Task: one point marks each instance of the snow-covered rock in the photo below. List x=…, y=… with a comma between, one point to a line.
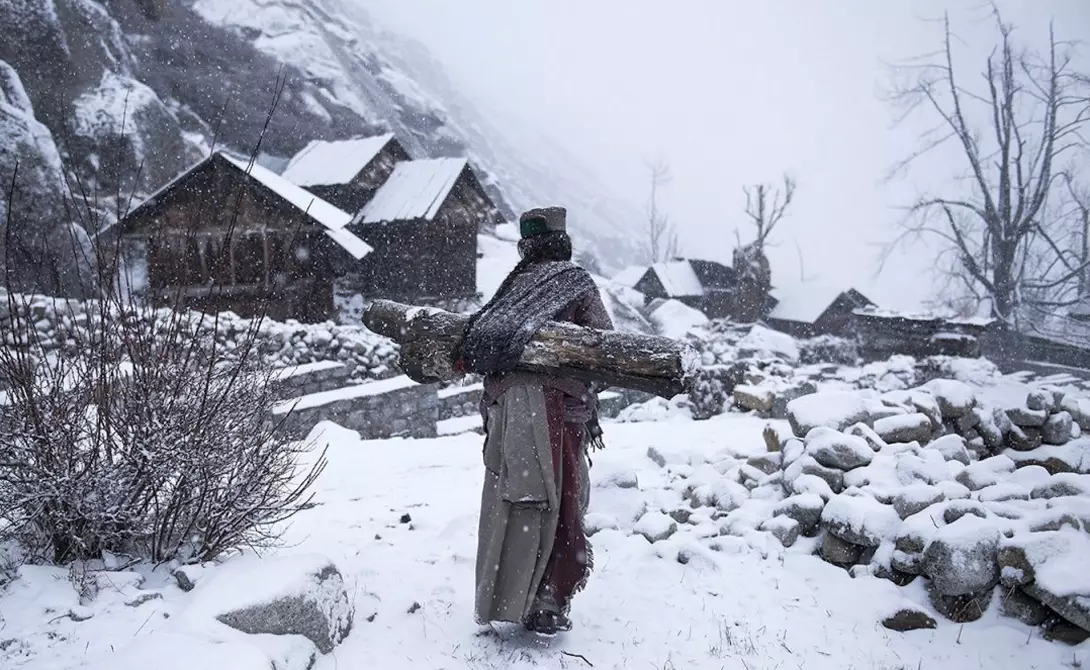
x=834, y=449
x=1057, y=428
x=673, y=318
x=834, y=409
x=1050, y=566
x=804, y=508
x=861, y=520
x=955, y=398
x=290, y=595
x=952, y=447
x=904, y=428
x=961, y=557
x=763, y=341
x=656, y=526
x=915, y=498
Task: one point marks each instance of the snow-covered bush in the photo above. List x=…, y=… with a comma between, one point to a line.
x=141, y=438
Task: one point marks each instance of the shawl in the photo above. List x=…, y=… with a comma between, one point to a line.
x=498, y=334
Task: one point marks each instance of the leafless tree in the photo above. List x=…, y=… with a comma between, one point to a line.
x=1079, y=251
x=766, y=206
x=998, y=244
x=662, y=242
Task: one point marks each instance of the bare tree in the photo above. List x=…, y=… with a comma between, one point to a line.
x=1079, y=250
x=995, y=234
x=766, y=206
x=662, y=242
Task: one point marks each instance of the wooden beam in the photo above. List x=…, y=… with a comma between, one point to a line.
x=428, y=336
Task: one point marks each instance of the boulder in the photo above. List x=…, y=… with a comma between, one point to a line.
x=288, y=595
x=804, y=508
x=812, y=485
x=909, y=618
x=1022, y=438
x=1057, y=429
x=838, y=551
x=867, y=433
x=834, y=449
x=833, y=409
x=1027, y=418
x=915, y=498
x=1039, y=400
x=959, y=508
x=961, y=558
x=767, y=463
x=1079, y=409
x=952, y=448
x=1062, y=484
x=783, y=528
x=988, y=428
x=1016, y=604
x=985, y=473
x=655, y=526
x=954, y=398
x=753, y=398
x=904, y=428
x=808, y=465
x=963, y=608
x=1059, y=630
x=861, y=520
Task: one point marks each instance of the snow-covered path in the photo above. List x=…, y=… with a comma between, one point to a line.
x=740, y=607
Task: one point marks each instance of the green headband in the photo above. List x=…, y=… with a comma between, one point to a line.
x=534, y=226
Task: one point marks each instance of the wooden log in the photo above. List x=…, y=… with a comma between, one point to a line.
x=428, y=336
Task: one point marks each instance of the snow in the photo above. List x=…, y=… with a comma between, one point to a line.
x=765, y=340
x=804, y=303
x=740, y=601
x=862, y=516
x=452, y=391
x=306, y=368
x=674, y=319
x=347, y=393
x=834, y=409
x=99, y=113
x=630, y=276
x=416, y=190
x=324, y=163
x=678, y=279
x=460, y=424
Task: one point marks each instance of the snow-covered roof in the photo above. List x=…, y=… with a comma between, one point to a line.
x=415, y=190
x=630, y=276
x=322, y=163
x=804, y=303
x=678, y=279
x=332, y=218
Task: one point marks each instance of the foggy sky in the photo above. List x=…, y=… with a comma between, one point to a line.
x=729, y=93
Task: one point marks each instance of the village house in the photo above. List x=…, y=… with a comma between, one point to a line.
x=704, y=285
x=814, y=309
x=423, y=224
x=230, y=235
x=346, y=173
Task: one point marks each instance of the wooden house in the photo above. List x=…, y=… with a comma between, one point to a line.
x=346, y=173
x=814, y=309
x=423, y=224
x=228, y=235
x=704, y=285
x=881, y=334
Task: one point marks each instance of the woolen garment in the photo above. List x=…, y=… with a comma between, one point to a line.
x=499, y=333
x=526, y=491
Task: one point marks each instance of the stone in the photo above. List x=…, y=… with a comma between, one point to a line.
x=144, y=598
x=1022, y=438
x=783, y=528
x=839, y=552
x=1062, y=484
x=187, y=576
x=805, y=509
x=907, y=563
x=655, y=526
x=954, y=398
x=834, y=449
x=753, y=398
x=916, y=498
x=1058, y=630
x=988, y=429
x=867, y=433
x=961, y=557
x=985, y=473
x=1016, y=604
x=904, y=428
x=1079, y=409
x=1055, y=519
x=793, y=449
x=1074, y=608
x=767, y=463
x=861, y=520
x=681, y=514
x=1027, y=418
x=906, y=619
x=1057, y=429
x=967, y=422
x=1039, y=400
x=833, y=409
x=962, y=608
x=293, y=595
x=807, y=465
x=959, y=508
x=952, y=448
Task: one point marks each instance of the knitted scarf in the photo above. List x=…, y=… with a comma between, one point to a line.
x=498, y=334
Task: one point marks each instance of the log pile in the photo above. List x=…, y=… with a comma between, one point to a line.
x=428, y=336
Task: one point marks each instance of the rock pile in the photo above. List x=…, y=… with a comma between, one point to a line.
x=65, y=325
x=933, y=483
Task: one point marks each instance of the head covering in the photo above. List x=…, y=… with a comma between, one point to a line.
x=542, y=220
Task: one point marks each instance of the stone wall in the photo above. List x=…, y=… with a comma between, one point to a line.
x=394, y=407
x=311, y=378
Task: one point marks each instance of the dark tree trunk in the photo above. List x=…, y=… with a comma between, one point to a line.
x=647, y=363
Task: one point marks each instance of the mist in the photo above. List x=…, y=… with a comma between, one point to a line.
x=730, y=94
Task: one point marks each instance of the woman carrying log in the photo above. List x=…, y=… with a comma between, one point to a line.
x=532, y=553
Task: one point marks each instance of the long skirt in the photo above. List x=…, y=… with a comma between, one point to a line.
x=532, y=550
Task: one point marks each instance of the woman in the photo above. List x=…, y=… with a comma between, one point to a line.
x=532, y=552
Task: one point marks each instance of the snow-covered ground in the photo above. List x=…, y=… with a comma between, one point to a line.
x=399, y=519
